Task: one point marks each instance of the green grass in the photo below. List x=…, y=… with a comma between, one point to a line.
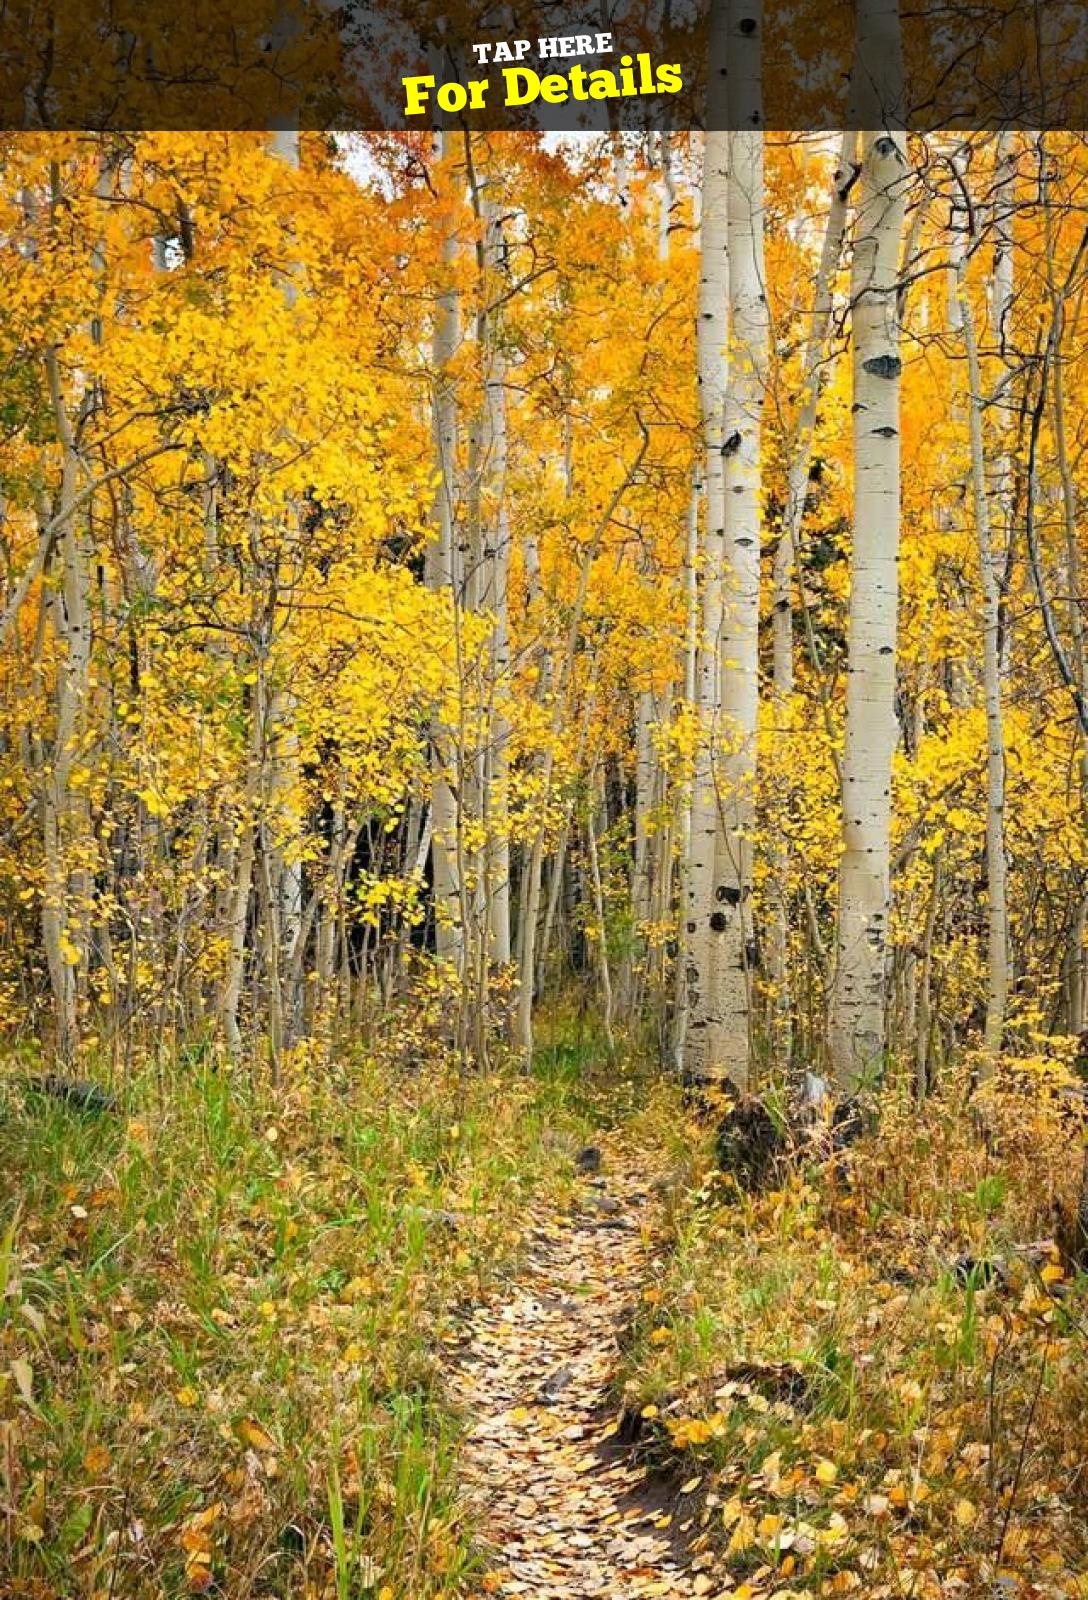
x=221, y=1314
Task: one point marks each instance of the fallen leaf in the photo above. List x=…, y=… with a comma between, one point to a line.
x=252, y=1434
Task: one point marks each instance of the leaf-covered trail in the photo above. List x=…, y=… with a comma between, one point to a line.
x=566, y=1514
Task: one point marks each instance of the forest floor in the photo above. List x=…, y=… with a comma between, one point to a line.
x=877, y=1362
x=867, y=1377
x=564, y=1509
x=224, y=1308
x=384, y=1332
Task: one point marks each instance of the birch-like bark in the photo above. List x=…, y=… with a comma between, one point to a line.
x=488, y=548
x=742, y=436
x=497, y=600
x=684, y=798
x=442, y=579
x=804, y=429
x=284, y=824
x=858, y=1001
x=702, y=1030
x=1076, y=966
x=244, y=854
x=644, y=799
x=648, y=775
x=667, y=196
x=595, y=803
x=1002, y=282
x=785, y=562
x=997, y=916
x=63, y=931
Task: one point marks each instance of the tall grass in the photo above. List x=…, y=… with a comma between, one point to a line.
x=221, y=1313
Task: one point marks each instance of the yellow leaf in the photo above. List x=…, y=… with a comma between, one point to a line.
x=826, y=1471
x=254, y=1435
x=965, y=1513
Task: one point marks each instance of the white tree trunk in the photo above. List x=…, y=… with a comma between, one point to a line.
x=997, y=916
x=742, y=434
x=712, y=338
x=803, y=432
x=66, y=906
x=648, y=777
x=785, y=559
x=284, y=867
x=857, y=1021
x=496, y=600
x=645, y=787
x=684, y=799
x=441, y=578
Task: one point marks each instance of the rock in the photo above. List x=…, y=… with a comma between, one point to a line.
x=750, y=1145
x=589, y=1159
x=605, y=1203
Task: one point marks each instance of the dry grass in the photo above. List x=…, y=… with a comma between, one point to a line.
x=889, y=1390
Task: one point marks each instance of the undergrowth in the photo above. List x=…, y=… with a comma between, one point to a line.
x=881, y=1368
x=221, y=1311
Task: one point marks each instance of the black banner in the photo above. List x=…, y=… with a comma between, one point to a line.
x=188, y=64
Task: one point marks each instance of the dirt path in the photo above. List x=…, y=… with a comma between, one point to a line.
x=565, y=1512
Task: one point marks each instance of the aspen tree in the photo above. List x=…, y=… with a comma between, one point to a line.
x=1076, y=966
x=270, y=816
x=857, y=1021
x=799, y=459
x=496, y=599
x=68, y=883
x=649, y=867
x=71, y=616
x=703, y=1031
x=283, y=864
x=684, y=798
x=997, y=917
x=442, y=578
x=742, y=488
